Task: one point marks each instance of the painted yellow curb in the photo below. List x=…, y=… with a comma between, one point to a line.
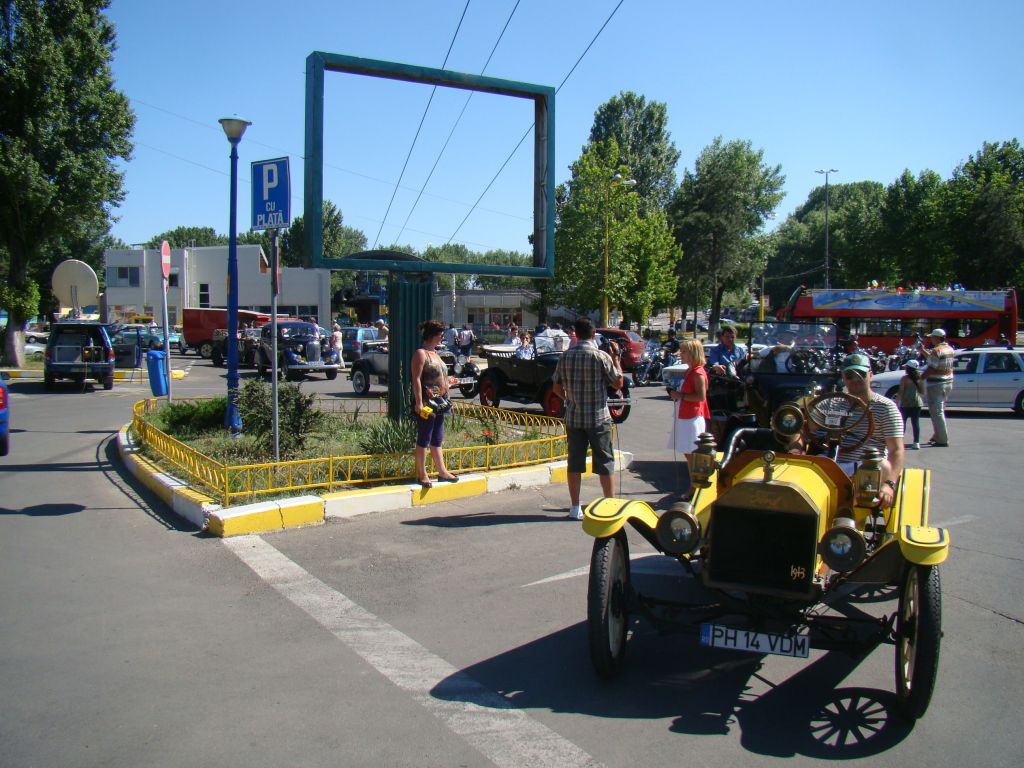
x=468, y=485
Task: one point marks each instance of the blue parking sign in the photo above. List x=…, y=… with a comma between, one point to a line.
x=271, y=194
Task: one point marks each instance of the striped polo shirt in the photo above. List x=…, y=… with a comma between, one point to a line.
x=888, y=423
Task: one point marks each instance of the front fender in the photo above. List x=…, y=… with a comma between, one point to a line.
x=606, y=516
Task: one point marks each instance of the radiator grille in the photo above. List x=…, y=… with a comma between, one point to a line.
x=313, y=352
x=761, y=550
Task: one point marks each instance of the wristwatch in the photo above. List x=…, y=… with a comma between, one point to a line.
x=891, y=484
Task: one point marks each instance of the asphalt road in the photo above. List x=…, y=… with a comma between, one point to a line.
x=452, y=635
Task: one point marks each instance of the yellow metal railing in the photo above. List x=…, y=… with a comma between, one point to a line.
x=544, y=440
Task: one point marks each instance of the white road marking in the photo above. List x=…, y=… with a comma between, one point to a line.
x=952, y=521
x=488, y=721
x=642, y=562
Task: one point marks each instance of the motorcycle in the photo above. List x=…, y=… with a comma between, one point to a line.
x=652, y=364
x=904, y=353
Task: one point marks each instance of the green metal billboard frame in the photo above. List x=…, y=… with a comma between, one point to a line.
x=543, y=97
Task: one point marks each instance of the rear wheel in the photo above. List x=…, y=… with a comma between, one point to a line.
x=552, y=403
x=607, y=599
x=918, y=634
x=618, y=412
x=332, y=375
x=48, y=381
x=108, y=382
x=489, y=390
x=360, y=382
x=4, y=444
x=640, y=376
x=205, y=350
x=892, y=393
x=1018, y=407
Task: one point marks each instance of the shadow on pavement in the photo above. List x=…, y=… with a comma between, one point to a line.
x=703, y=691
x=482, y=519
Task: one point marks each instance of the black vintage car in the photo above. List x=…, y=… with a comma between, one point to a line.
x=248, y=345
x=372, y=367
x=301, y=349
x=524, y=375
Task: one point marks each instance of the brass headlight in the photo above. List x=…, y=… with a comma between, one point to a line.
x=843, y=547
x=788, y=420
x=678, y=530
x=703, y=463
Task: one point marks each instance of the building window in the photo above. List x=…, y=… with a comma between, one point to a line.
x=172, y=280
x=122, y=277
x=204, y=295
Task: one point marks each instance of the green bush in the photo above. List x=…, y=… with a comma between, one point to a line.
x=298, y=415
x=192, y=418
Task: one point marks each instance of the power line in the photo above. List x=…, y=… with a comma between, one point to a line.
x=455, y=124
x=420, y=127
x=520, y=143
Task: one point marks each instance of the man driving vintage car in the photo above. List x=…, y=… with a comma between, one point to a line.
x=887, y=435
x=779, y=352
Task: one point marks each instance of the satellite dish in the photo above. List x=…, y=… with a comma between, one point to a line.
x=75, y=285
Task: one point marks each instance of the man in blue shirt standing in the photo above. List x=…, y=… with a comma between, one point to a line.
x=726, y=353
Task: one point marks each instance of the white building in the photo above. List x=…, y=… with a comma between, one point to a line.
x=198, y=278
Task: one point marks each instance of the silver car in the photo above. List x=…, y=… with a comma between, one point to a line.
x=983, y=377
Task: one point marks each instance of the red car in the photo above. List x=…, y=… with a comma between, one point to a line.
x=631, y=346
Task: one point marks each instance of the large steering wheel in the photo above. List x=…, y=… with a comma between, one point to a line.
x=838, y=414
x=801, y=361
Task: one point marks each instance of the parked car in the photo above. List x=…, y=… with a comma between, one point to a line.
x=352, y=340
x=36, y=333
x=372, y=367
x=631, y=346
x=79, y=351
x=983, y=377
x=301, y=349
x=5, y=416
x=248, y=347
x=525, y=375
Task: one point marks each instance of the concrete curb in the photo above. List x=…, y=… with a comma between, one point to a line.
x=280, y=514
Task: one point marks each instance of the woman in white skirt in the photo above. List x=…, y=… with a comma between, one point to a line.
x=692, y=395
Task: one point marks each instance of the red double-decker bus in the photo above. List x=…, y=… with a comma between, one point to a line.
x=883, y=318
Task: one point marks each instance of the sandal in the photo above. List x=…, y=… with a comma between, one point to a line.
x=426, y=483
x=449, y=479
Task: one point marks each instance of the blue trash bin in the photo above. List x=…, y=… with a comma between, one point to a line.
x=156, y=364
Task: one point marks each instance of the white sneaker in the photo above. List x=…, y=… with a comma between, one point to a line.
x=576, y=513
x=914, y=446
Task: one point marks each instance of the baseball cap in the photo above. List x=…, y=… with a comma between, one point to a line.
x=938, y=332
x=912, y=364
x=857, y=362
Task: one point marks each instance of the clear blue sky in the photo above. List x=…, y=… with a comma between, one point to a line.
x=869, y=88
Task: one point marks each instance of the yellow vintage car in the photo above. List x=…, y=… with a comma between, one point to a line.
x=772, y=541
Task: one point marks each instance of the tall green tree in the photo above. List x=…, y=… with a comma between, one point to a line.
x=640, y=129
x=597, y=214
x=189, y=237
x=720, y=205
x=63, y=127
x=914, y=232
x=338, y=240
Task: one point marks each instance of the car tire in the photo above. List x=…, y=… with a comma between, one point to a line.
x=468, y=390
x=918, y=634
x=331, y=375
x=205, y=350
x=608, y=604
x=360, y=382
x=893, y=393
x=1018, y=406
x=490, y=390
x=216, y=357
x=48, y=381
x=108, y=383
x=551, y=402
x=5, y=445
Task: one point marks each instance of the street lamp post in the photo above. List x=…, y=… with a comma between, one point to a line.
x=614, y=181
x=826, y=172
x=233, y=129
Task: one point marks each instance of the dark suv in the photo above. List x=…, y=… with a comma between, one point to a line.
x=79, y=351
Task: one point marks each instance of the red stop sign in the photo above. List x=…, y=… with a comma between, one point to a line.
x=165, y=259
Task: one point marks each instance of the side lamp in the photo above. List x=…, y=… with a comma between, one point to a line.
x=867, y=480
x=703, y=464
